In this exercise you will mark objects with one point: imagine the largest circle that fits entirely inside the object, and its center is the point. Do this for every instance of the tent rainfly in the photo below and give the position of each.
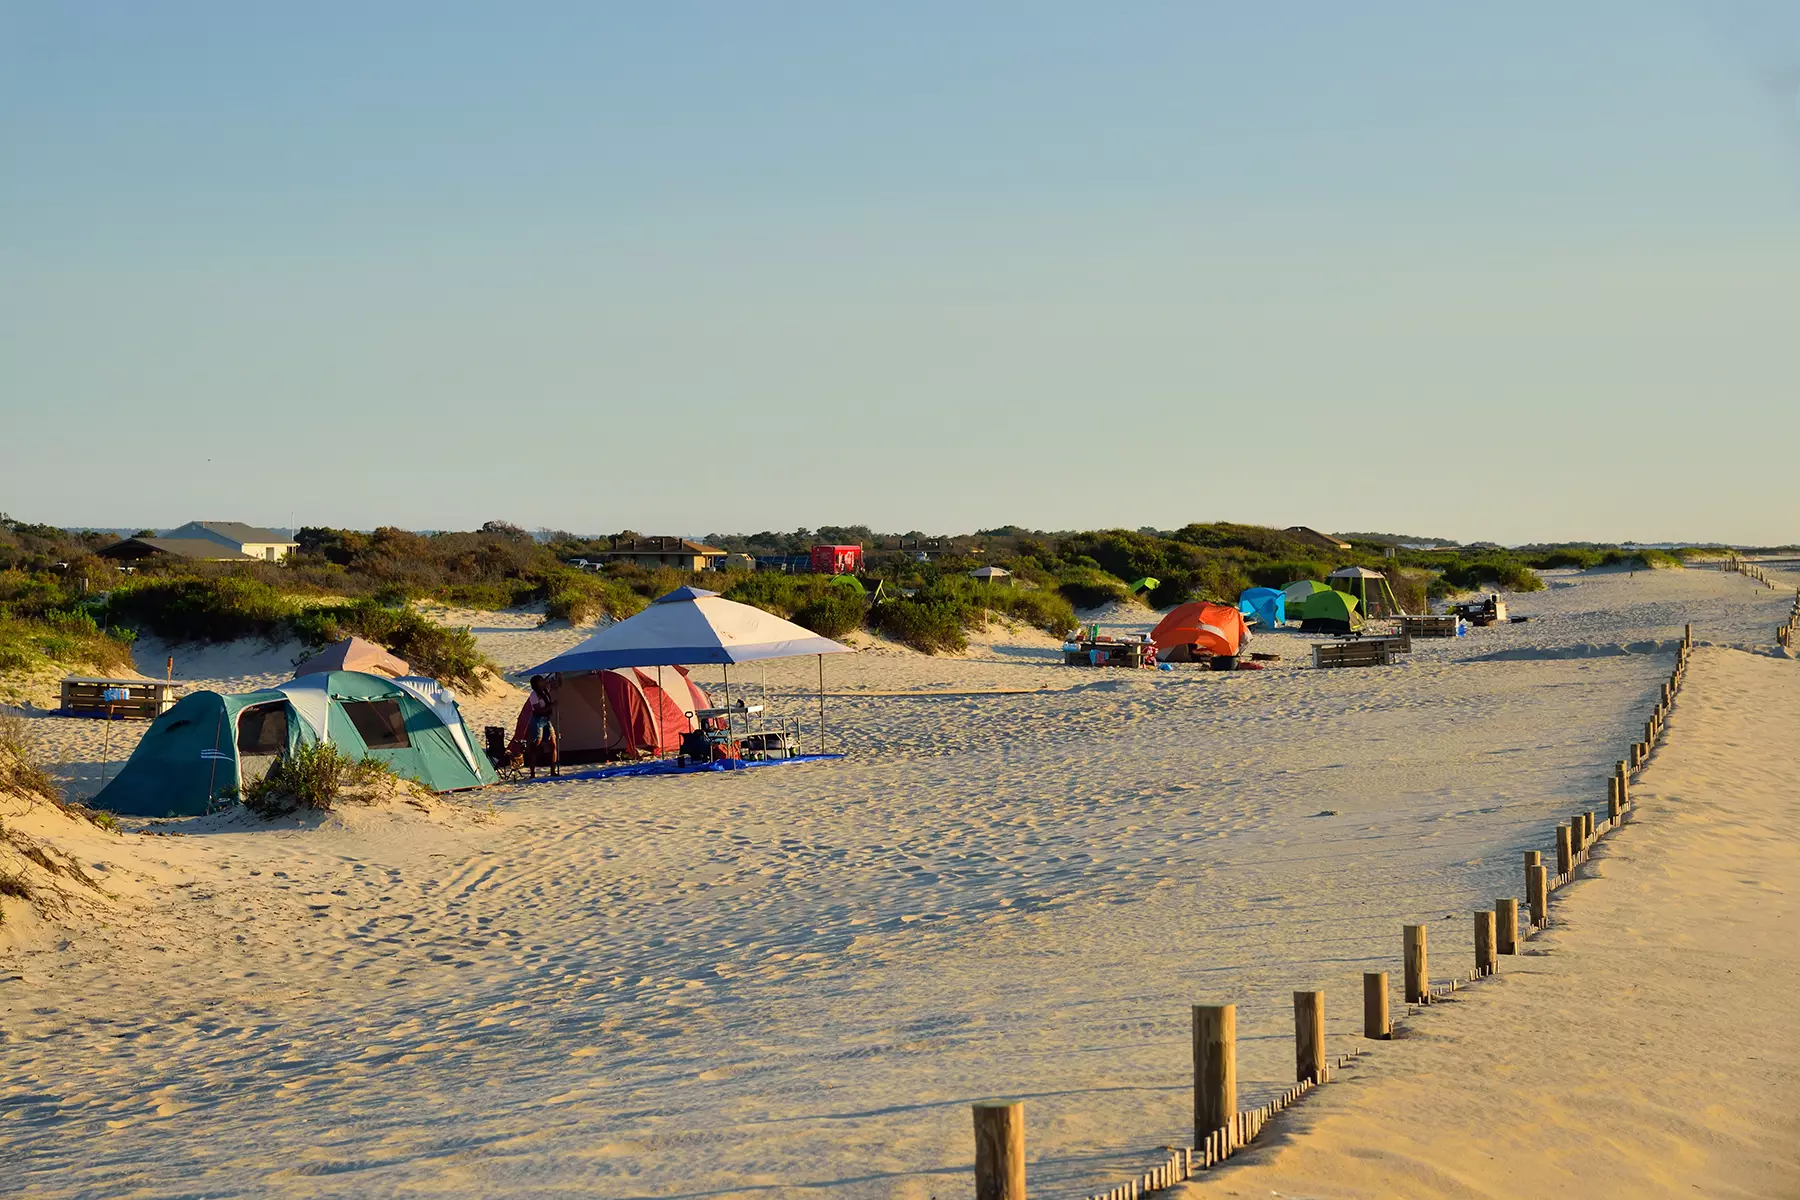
(1330, 612)
(692, 626)
(354, 654)
(992, 575)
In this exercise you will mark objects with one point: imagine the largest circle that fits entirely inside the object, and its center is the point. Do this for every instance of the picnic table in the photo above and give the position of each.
(1109, 652)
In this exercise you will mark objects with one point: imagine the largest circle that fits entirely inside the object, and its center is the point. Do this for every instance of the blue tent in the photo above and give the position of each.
(1267, 605)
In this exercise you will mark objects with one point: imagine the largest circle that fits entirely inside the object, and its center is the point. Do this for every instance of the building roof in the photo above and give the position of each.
(239, 532)
(196, 548)
(659, 545)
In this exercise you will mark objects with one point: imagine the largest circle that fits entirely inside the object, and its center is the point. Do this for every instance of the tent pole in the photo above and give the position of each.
(660, 697)
(821, 704)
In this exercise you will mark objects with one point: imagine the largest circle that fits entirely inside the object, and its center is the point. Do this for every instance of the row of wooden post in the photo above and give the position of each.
(1784, 633)
(1220, 1127)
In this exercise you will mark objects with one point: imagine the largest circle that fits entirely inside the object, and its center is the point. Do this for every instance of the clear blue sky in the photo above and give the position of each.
(1519, 271)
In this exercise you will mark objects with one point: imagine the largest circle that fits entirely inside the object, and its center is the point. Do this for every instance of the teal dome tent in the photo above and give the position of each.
(207, 746)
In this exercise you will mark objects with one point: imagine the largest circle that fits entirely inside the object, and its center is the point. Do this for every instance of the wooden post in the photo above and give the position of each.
(1376, 1023)
(1587, 829)
(1506, 923)
(1565, 849)
(1417, 971)
(1309, 1035)
(1000, 1150)
(1612, 800)
(1485, 962)
(1537, 893)
(1624, 785)
(1215, 1068)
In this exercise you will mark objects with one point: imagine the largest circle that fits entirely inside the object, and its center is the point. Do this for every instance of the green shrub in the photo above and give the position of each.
(313, 777)
(1090, 587)
(219, 608)
(66, 640)
(578, 597)
(834, 613)
(929, 624)
(1037, 607)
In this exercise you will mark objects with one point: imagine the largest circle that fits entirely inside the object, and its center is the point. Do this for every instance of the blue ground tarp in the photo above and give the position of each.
(673, 766)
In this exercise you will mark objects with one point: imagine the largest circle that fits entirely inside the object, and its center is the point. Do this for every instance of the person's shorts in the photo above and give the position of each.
(540, 728)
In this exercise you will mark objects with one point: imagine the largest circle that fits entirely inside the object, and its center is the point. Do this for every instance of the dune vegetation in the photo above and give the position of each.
(62, 606)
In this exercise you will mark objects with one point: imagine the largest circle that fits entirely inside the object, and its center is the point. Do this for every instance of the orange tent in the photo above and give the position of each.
(1218, 628)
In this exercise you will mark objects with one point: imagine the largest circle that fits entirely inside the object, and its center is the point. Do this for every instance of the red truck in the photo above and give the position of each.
(836, 560)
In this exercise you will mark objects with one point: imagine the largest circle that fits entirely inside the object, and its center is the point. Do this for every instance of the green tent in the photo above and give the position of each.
(209, 744)
(1330, 612)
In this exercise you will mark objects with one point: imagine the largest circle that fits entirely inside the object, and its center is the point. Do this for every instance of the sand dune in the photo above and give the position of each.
(799, 977)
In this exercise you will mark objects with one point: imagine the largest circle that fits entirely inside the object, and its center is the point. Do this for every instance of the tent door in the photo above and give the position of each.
(262, 738)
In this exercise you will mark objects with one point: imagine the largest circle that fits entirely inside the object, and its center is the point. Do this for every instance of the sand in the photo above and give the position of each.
(798, 978)
(1645, 1045)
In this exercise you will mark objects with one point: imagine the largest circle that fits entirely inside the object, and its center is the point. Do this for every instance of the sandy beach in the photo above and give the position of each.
(1639, 1047)
(795, 980)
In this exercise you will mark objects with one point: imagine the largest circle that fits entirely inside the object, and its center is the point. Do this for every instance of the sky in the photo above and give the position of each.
(1518, 272)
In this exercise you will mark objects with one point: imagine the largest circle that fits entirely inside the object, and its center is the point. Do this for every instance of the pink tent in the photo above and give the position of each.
(354, 654)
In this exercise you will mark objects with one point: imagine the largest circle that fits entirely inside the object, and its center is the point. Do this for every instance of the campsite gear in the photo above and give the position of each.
(209, 745)
(1147, 584)
(1330, 612)
(1489, 610)
(691, 625)
(1217, 628)
(354, 654)
(1224, 662)
(1300, 591)
(1110, 652)
(605, 713)
(1265, 657)
(1267, 605)
(1373, 595)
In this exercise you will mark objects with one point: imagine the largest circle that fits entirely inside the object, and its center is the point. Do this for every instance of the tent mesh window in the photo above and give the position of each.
(263, 730)
(379, 722)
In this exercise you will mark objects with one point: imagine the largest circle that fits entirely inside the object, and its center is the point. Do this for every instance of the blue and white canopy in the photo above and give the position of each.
(689, 626)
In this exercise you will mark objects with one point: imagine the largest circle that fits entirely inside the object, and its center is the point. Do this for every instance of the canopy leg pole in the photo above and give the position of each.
(727, 669)
(661, 697)
(821, 704)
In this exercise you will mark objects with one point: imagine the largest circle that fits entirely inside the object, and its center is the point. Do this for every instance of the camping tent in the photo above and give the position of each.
(354, 654)
(1373, 595)
(211, 744)
(632, 710)
(1300, 591)
(691, 625)
(1265, 604)
(1218, 628)
(1330, 612)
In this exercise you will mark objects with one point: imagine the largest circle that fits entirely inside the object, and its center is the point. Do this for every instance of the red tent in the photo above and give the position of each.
(1218, 628)
(633, 710)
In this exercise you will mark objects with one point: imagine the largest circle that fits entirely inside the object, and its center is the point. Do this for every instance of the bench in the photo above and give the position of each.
(1393, 643)
(1442, 625)
(1366, 653)
(135, 699)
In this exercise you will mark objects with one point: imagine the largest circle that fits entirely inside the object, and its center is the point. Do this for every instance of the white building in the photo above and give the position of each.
(246, 540)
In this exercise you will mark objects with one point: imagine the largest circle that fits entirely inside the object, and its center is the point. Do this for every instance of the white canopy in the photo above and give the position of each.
(688, 626)
(1354, 573)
